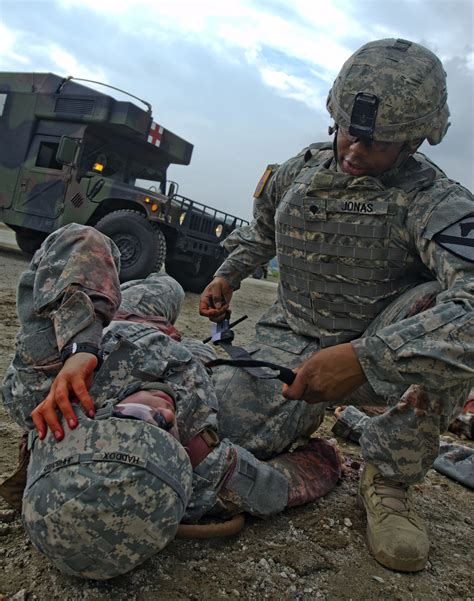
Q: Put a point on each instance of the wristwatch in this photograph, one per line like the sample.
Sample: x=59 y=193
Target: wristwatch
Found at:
x=78 y=347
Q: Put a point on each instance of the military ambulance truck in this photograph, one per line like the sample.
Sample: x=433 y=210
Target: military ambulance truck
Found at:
x=69 y=153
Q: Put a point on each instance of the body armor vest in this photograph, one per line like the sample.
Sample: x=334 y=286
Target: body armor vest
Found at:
x=343 y=248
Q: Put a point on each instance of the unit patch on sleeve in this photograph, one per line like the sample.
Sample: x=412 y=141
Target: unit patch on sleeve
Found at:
x=263 y=180
x=458 y=238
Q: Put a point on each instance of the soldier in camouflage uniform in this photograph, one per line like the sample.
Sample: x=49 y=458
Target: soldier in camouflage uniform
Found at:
x=375 y=301
x=145 y=453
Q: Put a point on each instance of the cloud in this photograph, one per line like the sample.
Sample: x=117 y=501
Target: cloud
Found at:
x=240 y=31
x=299 y=32
x=8 y=41
x=67 y=63
x=47 y=57
x=455 y=154
x=293 y=87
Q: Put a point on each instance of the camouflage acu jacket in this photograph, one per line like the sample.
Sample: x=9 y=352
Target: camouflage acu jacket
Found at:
x=415 y=205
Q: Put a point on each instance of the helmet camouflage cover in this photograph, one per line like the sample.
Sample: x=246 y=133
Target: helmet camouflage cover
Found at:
x=107 y=497
x=391 y=90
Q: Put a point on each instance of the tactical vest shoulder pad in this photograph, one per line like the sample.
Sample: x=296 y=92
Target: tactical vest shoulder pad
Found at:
x=440 y=174
x=314 y=149
x=415 y=175
x=423 y=159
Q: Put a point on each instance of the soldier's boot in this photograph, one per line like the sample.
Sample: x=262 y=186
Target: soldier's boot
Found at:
x=312 y=471
x=395 y=533
x=11 y=489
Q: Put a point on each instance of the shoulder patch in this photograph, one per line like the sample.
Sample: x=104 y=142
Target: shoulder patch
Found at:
x=263 y=180
x=458 y=238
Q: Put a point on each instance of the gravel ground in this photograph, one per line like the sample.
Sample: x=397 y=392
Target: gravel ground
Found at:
x=314 y=552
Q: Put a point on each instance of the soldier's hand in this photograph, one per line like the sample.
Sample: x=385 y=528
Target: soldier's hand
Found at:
x=215 y=299
x=71 y=384
x=327 y=376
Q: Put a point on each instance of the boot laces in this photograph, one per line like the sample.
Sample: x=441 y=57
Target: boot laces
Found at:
x=394 y=499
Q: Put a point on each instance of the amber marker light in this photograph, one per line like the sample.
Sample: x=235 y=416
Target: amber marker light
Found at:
x=99 y=167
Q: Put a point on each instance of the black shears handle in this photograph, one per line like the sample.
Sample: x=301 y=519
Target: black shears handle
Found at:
x=284 y=374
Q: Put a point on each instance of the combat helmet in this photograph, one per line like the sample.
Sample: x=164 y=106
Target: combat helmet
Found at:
x=107 y=497
x=391 y=90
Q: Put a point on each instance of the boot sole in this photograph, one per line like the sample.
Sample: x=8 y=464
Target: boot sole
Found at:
x=393 y=563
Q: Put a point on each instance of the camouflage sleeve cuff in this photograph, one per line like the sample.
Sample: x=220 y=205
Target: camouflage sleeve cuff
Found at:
x=92 y=334
x=231 y=275
x=75 y=316
x=379 y=366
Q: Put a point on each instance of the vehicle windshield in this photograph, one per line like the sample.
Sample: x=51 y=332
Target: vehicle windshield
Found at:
x=120 y=159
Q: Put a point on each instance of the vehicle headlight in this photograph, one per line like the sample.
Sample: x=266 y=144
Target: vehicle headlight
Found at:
x=182 y=217
x=219 y=230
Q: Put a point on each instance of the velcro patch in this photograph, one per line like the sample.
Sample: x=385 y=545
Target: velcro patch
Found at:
x=458 y=238
x=263 y=180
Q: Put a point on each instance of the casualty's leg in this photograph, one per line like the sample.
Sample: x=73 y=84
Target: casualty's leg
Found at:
x=231 y=480
x=69 y=290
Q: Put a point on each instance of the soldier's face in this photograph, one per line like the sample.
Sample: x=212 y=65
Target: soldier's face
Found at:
x=148 y=405
x=357 y=158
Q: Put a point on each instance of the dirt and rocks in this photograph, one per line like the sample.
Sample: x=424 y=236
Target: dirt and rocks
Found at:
x=314 y=552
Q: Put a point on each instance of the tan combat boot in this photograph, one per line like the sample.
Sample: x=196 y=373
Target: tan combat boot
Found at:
x=395 y=533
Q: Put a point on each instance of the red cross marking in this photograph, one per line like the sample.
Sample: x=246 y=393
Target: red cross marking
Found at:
x=155 y=133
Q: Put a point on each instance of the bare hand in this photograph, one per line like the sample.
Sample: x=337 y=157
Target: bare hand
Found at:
x=72 y=383
x=215 y=299
x=327 y=376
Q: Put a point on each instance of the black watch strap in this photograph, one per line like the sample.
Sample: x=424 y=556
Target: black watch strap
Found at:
x=79 y=347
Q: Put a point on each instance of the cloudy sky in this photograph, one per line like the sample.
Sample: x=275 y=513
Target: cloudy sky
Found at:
x=244 y=80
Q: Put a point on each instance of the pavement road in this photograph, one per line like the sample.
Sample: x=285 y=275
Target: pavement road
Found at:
x=7 y=238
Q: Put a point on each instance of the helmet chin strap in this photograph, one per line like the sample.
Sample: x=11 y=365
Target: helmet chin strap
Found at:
x=402 y=157
x=332 y=129
x=408 y=148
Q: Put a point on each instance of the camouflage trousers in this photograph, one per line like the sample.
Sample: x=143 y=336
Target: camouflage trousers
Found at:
x=75 y=260
x=71 y=260
x=403 y=442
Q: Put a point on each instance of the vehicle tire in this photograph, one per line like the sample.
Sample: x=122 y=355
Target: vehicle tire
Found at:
x=29 y=240
x=186 y=275
x=142 y=245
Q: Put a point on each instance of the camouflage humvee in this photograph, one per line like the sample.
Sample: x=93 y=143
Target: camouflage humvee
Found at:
x=69 y=153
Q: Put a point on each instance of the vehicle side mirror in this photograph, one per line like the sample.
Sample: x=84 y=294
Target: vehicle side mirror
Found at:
x=172 y=189
x=67 y=150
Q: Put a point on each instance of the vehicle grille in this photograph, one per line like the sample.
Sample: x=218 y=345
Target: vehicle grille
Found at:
x=76 y=106
x=201 y=224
